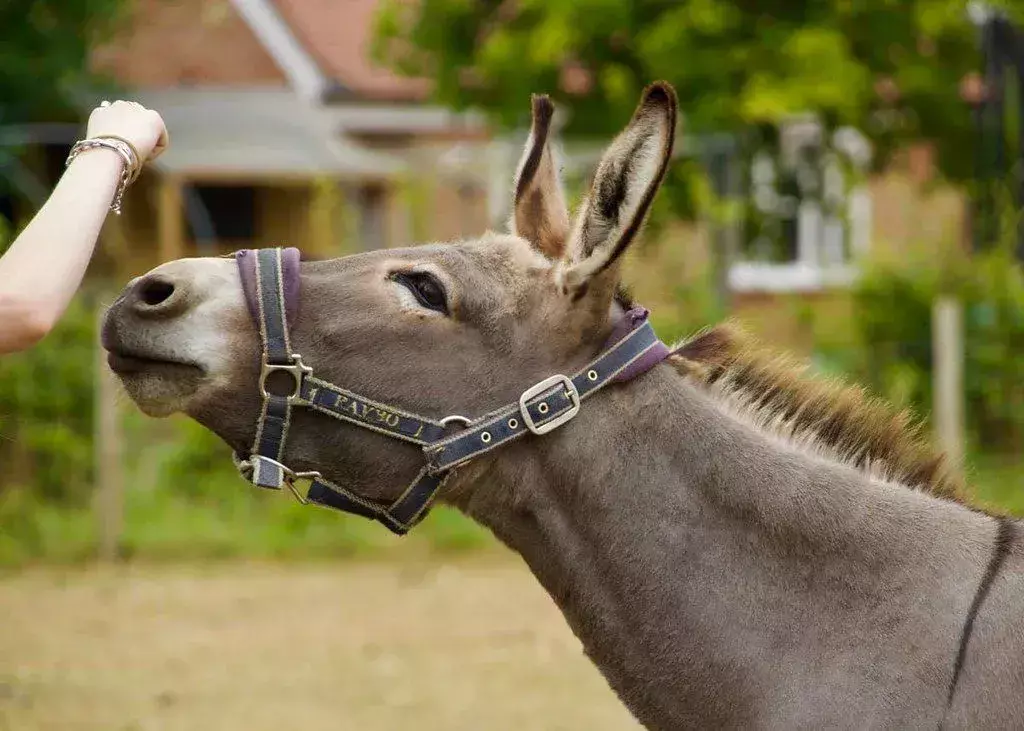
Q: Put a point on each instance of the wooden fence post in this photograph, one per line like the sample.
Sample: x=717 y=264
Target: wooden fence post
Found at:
x=107 y=443
x=948 y=378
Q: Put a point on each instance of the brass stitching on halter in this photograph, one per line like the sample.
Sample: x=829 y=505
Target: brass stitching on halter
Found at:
x=366 y=425
x=370 y=402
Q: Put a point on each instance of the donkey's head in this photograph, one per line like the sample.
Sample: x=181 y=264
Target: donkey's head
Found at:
x=440 y=329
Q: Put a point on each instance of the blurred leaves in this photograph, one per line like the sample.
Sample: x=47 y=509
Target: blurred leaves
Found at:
x=46 y=409
x=44 y=53
x=890 y=69
x=893 y=349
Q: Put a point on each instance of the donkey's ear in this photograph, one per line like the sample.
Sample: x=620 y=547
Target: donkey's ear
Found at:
x=539 y=212
x=624 y=186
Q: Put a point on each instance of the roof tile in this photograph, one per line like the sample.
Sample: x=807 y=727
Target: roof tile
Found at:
x=338 y=34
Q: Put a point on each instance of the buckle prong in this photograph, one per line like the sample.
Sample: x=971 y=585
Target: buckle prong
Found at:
x=571 y=393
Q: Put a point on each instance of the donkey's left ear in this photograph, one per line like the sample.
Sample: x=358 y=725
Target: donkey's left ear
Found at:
x=627 y=178
x=540 y=214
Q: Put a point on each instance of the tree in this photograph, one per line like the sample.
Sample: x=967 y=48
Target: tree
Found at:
x=44 y=53
x=891 y=69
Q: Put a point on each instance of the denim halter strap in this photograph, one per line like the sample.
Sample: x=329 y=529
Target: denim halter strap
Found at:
x=270 y=281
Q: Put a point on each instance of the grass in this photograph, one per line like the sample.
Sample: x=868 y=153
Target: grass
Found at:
x=229 y=520
x=178 y=516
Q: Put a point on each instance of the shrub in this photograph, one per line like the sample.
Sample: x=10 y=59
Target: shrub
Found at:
x=892 y=316
x=46 y=409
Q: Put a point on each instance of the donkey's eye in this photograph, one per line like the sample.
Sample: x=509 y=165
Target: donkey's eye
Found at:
x=425 y=287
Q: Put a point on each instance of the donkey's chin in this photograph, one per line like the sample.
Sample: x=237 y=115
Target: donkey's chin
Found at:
x=159 y=388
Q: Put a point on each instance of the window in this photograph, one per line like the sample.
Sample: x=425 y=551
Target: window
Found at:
x=806 y=222
x=220 y=214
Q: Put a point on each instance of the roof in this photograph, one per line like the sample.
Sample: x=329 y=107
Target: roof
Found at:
x=338 y=35
x=262 y=132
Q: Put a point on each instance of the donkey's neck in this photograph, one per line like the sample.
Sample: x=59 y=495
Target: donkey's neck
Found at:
x=717 y=576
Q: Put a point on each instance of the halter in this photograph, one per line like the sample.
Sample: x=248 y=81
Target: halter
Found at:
x=270 y=281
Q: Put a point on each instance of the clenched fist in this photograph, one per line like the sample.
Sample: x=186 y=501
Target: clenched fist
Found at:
x=142 y=127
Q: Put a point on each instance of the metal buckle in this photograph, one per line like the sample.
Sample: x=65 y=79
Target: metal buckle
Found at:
x=536 y=390
x=290 y=475
x=297 y=370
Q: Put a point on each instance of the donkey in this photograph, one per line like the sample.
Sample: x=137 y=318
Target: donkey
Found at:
x=732 y=547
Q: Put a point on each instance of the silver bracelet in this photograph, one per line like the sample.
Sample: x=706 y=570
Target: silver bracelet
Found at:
x=128 y=172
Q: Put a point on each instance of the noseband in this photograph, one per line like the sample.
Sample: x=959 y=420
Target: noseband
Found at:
x=270 y=281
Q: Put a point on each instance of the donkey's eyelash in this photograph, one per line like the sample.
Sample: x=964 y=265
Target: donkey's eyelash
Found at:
x=426 y=288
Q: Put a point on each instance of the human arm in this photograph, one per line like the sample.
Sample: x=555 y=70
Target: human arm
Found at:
x=44 y=266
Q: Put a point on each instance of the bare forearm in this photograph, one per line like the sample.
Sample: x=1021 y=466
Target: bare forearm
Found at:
x=43 y=268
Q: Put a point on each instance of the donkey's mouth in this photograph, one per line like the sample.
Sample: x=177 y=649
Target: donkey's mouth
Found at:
x=158 y=386
x=124 y=363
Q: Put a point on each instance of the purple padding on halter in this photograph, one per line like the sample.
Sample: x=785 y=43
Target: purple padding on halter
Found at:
x=246 y=260
x=630 y=322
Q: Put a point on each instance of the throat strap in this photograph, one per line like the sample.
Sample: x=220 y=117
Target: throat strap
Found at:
x=270 y=283
x=546 y=405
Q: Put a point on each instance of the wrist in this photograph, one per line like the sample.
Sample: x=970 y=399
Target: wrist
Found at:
x=130 y=164
x=99 y=159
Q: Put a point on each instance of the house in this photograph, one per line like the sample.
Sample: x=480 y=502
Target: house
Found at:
x=283 y=132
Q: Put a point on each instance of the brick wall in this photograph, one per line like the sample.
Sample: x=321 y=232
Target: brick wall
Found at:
x=187 y=42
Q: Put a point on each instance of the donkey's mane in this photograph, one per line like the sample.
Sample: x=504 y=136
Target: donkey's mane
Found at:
x=823 y=415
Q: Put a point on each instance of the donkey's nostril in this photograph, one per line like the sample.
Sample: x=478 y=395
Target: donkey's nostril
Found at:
x=155 y=291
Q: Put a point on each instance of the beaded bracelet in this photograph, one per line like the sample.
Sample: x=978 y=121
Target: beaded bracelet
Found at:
x=129 y=172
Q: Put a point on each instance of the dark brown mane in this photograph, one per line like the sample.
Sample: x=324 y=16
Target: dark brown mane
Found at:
x=860 y=430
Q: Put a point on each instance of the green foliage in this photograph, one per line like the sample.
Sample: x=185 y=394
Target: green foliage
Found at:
x=893 y=352
x=230 y=519
x=45 y=48
x=32 y=528
x=46 y=409
x=44 y=52
x=736 y=64
x=694 y=307
x=998 y=481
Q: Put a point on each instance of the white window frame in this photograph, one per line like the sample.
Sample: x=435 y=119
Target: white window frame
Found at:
x=815 y=267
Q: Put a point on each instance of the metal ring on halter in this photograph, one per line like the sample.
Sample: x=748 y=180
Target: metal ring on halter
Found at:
x=454 y=418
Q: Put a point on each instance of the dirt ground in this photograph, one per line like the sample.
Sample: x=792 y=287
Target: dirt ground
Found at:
x=453 y=645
